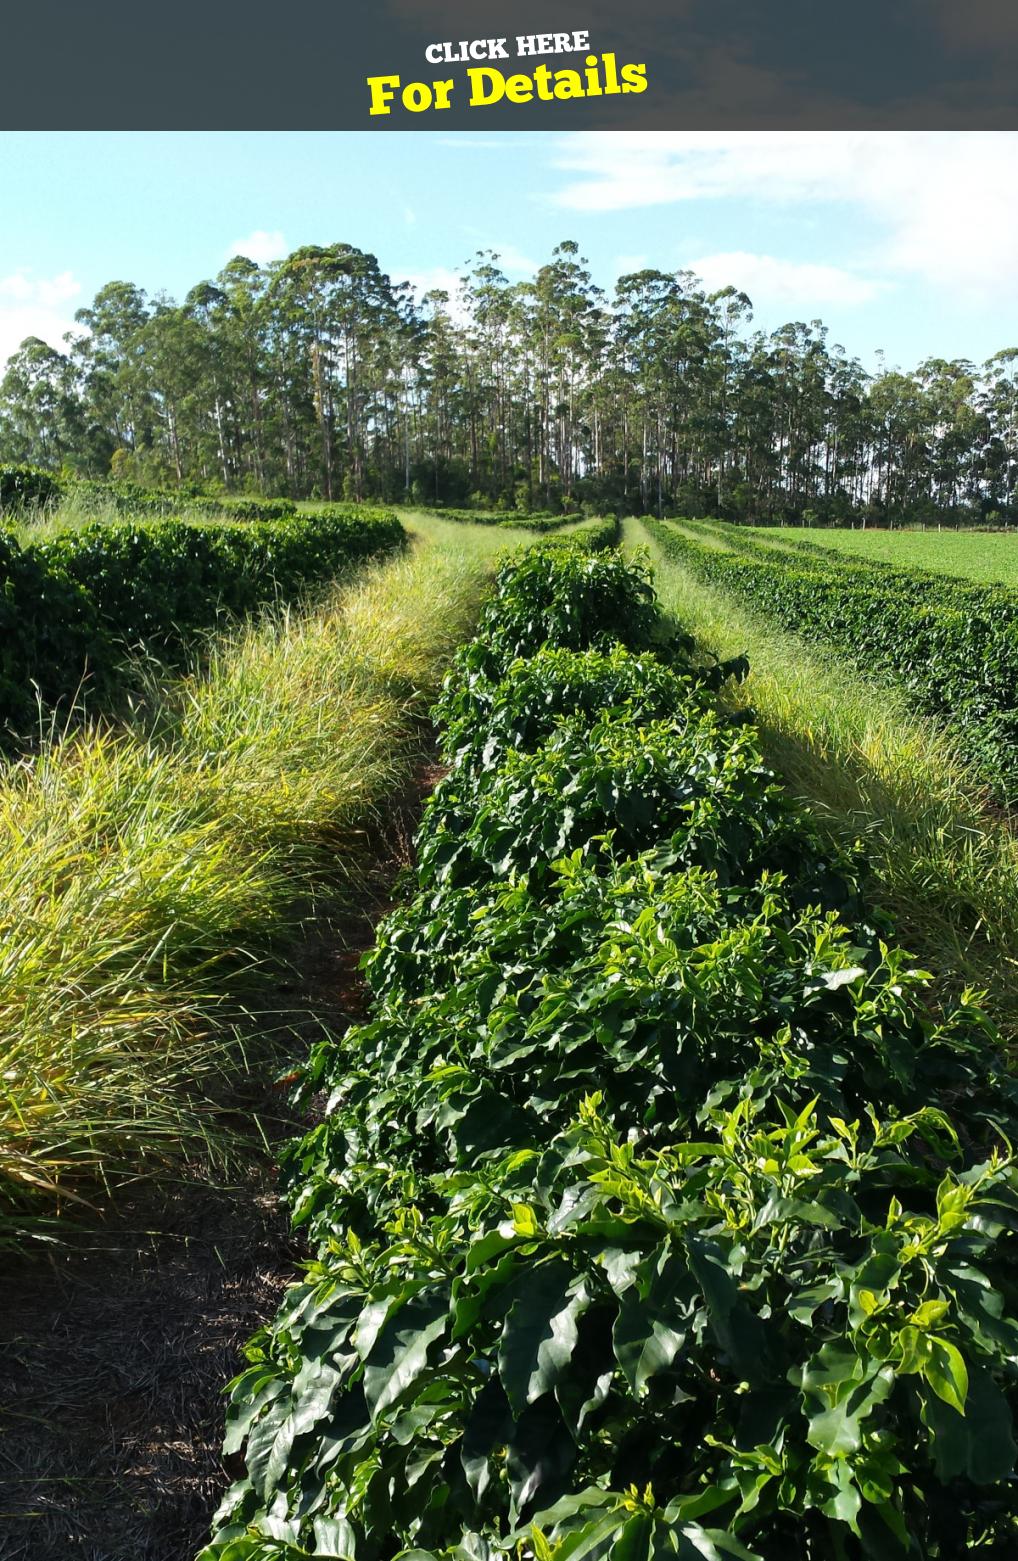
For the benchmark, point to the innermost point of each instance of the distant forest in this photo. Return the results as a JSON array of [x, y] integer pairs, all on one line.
[[318, 376]]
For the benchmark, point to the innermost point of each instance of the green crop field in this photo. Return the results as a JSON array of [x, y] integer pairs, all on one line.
[[508, 994], [972, 555], [650, 1120], [655, 1208], [952, 644], [219, 706]]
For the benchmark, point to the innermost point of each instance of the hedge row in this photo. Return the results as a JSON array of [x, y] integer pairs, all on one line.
[[644, 1228], [917, 583], [954, 645], [594, 538], [25, 487], [70, 607], [127, 498]]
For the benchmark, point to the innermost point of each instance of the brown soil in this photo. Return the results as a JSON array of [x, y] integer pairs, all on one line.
[[114, 1351]]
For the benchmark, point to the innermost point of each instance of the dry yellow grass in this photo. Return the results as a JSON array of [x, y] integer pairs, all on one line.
[[144, 873]]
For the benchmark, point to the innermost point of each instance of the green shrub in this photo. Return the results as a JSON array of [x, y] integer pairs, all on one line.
[[252, 509], [99, 496], [657, 1211], [70, 608], [526, 520], [26, 488]]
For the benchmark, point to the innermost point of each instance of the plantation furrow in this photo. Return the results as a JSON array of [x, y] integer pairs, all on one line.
[[655, 1211], [872, 769], [156, 975], [952, 644], [148, 876]]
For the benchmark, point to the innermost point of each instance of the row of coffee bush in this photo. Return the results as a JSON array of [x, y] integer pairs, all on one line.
[[25, 488], [73, 606], [657, 1212], [952, 643], [127, 498]]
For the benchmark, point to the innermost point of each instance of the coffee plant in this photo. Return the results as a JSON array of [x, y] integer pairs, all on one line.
[[72, 607], [26, 488], [657, 1209], [953, 644]]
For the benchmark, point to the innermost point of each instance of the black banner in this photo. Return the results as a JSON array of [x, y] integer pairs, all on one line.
[[557, 64]]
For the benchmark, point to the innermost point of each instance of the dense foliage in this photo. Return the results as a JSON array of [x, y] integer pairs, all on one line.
[[130, 498], [952, 642], [26, 488], [71, 607], [320, 376], [657, 1213]]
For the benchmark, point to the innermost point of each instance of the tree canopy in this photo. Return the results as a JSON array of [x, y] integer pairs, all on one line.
[[320, 376]]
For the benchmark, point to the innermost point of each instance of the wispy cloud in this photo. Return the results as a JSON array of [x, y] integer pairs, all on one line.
[[770, 280], [466, 141], [36, 306], [262, 246], [941, 202]]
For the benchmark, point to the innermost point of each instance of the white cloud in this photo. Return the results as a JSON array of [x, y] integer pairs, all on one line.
[[801, 284], [461, 138], [514, 262], [440, 279], [627, 265], [36, 306], [261, 246], [435, 279], [942, 201], [510, 259]]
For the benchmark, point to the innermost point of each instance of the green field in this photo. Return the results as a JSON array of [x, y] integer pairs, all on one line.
[[951, 643], [870, 766], [972, 555], [650, 1127], [666, 1105]]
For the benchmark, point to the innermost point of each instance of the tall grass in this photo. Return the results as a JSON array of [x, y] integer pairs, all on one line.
[[74, 510], [146, 873], [944, 862], [481, 543]]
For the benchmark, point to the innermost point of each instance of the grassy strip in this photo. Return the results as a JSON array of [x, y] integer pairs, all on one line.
[[951, 643], [34, 504], [943, 862], [145, 876], [73, 606], [528, 520]]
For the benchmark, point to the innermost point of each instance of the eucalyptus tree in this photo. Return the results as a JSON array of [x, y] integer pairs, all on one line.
[[320, 375], [42, 420], [109, 357], [999, 401]]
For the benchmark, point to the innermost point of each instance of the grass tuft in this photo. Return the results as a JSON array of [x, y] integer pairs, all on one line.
[[146, 873]]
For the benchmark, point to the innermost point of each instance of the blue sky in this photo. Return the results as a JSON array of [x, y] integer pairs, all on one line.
[[902, 242]]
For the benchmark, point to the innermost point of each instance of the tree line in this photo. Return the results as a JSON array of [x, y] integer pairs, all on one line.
[[318, 376]]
